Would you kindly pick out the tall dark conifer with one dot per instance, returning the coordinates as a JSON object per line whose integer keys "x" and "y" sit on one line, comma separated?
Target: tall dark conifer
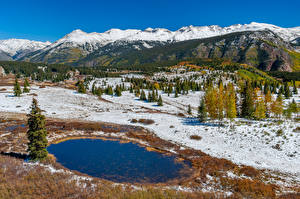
{"x": 17, "y": 88}
{"x": 37, "y": 134}
{"x": 248, "y": 101}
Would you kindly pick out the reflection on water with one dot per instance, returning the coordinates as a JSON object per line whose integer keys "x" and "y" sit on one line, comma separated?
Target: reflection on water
{"x": 119, "y": 162}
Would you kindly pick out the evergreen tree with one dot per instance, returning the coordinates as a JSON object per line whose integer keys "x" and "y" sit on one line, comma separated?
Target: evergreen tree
{"x": 37, "y": 134}
{"x": 295, "y": 90}
{"x": 94, "y": 88}
{"x": 109, "y": 90}
{"x": 118, "y": 91}
{"x": 17, "y": 88}
{"x": 81, "y": 87}
{"x": 98, "y": 91}
{"x": 292, "y": 108}
{"x": 247, "y": 102}
{"x": 143, "y": 95}
{"x": 176, "y": 93}
{"x": 287, "y": 92}
{"x": 189, "y": 111}
{"x": 160, "y": 102}
{"x": 202, "y": 114}
{"x": 26, "y": 85}
{"x": 131, "y": 89}
{"x": 149, "y": 97}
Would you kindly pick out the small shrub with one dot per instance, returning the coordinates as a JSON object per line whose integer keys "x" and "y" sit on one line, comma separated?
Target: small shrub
{"x": 146, "y": 121}
{"x": 134, "y": 121}
{"x": 266, "y": 133}
{"x": 279, "y": 132}
{"x": 195, "y": 137}
{"x": 180, "y": 114}
{"x": 249, "y": 171}
{"x": 297, "y": 129}
{"x": 277, "y": 147}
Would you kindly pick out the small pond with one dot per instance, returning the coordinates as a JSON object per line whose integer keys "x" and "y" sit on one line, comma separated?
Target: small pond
{"x": 118, "y": 162}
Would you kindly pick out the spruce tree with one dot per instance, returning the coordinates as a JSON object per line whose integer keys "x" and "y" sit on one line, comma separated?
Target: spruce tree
{"x": 81, "y": 87}
{"x": 94, "y": 88}
{"x": 287, "y": 92}
{"x": 176, "y": 93}
{"x": 118, "y": 91}
{"x": 143, "y": 95}
{"x": 247, "y": 102}
{"x": 17, "y": 88}
{"x": 202, "y": 114}
{"x": 189, "y": 111}
{"x": 37, "y": 134}
{"x": 109, "y": 90}
{"x": 295, "y": 90}
{"x": 160, "y": 102}
{"x": 26, "y": 85}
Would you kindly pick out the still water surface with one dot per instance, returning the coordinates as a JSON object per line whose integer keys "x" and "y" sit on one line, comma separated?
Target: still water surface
{"x": 115, "y": 161}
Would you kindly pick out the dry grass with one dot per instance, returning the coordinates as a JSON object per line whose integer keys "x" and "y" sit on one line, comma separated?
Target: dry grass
{"x": 202, "y": 163}
{"x": 18, "y": 181}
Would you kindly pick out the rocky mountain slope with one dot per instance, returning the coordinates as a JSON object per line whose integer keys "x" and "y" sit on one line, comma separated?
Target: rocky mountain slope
{"x": 263, "y": 49}
{"x": 110, "y": 47}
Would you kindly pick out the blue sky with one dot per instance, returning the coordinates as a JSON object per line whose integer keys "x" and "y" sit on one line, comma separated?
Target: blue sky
{"x": 50, "y": 20}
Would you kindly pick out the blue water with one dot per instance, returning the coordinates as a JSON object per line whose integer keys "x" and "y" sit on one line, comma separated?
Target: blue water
{"x": 115, "y": 161}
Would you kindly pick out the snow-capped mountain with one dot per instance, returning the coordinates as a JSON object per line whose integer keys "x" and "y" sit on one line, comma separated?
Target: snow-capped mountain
{"x": 81, "y": 47}
{"x": 17, "y": 48}
{"x": 182, "y": 34}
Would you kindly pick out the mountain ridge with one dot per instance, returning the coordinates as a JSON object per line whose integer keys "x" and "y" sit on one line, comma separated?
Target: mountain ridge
{"x": 78, "y": 45}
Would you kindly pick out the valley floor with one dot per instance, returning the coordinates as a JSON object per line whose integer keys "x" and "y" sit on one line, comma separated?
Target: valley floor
{"x": 255, "y": 143}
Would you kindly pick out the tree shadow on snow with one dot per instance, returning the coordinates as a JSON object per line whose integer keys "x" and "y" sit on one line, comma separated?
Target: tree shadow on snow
{"x": 194, "y": 121}
{"x": 15, "y": 155}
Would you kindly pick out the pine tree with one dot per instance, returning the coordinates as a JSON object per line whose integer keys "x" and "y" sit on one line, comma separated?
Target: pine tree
{"x": 17, "y": 88}
{"x": 26, "y": 85}
{"x": 109, "y": 91}
{"x": 94, "y": 88}
{"x": 143, "y": 95}
{"x": 202, "y": 114}
{"x": 160, "y": 101}
{"x": 287, "y": 92}
{"x": 295, "y": 90}
{"x": 176, "y": 93}
{"x": 189, "y": 111}
{"x": 131, "y": 89}
{"x": 149, "y": 97}
{"x": 247, "y": 102}
{"x": 118, "y": 91}
{"x": 81, "y": 87}
{"x": 37, "y": 134}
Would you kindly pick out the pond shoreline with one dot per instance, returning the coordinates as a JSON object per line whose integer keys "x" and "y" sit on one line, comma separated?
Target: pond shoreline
{"x": 206, "y": 170}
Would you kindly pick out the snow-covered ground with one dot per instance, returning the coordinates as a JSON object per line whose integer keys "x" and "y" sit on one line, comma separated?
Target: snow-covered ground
{"x": 246, "y": 142}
